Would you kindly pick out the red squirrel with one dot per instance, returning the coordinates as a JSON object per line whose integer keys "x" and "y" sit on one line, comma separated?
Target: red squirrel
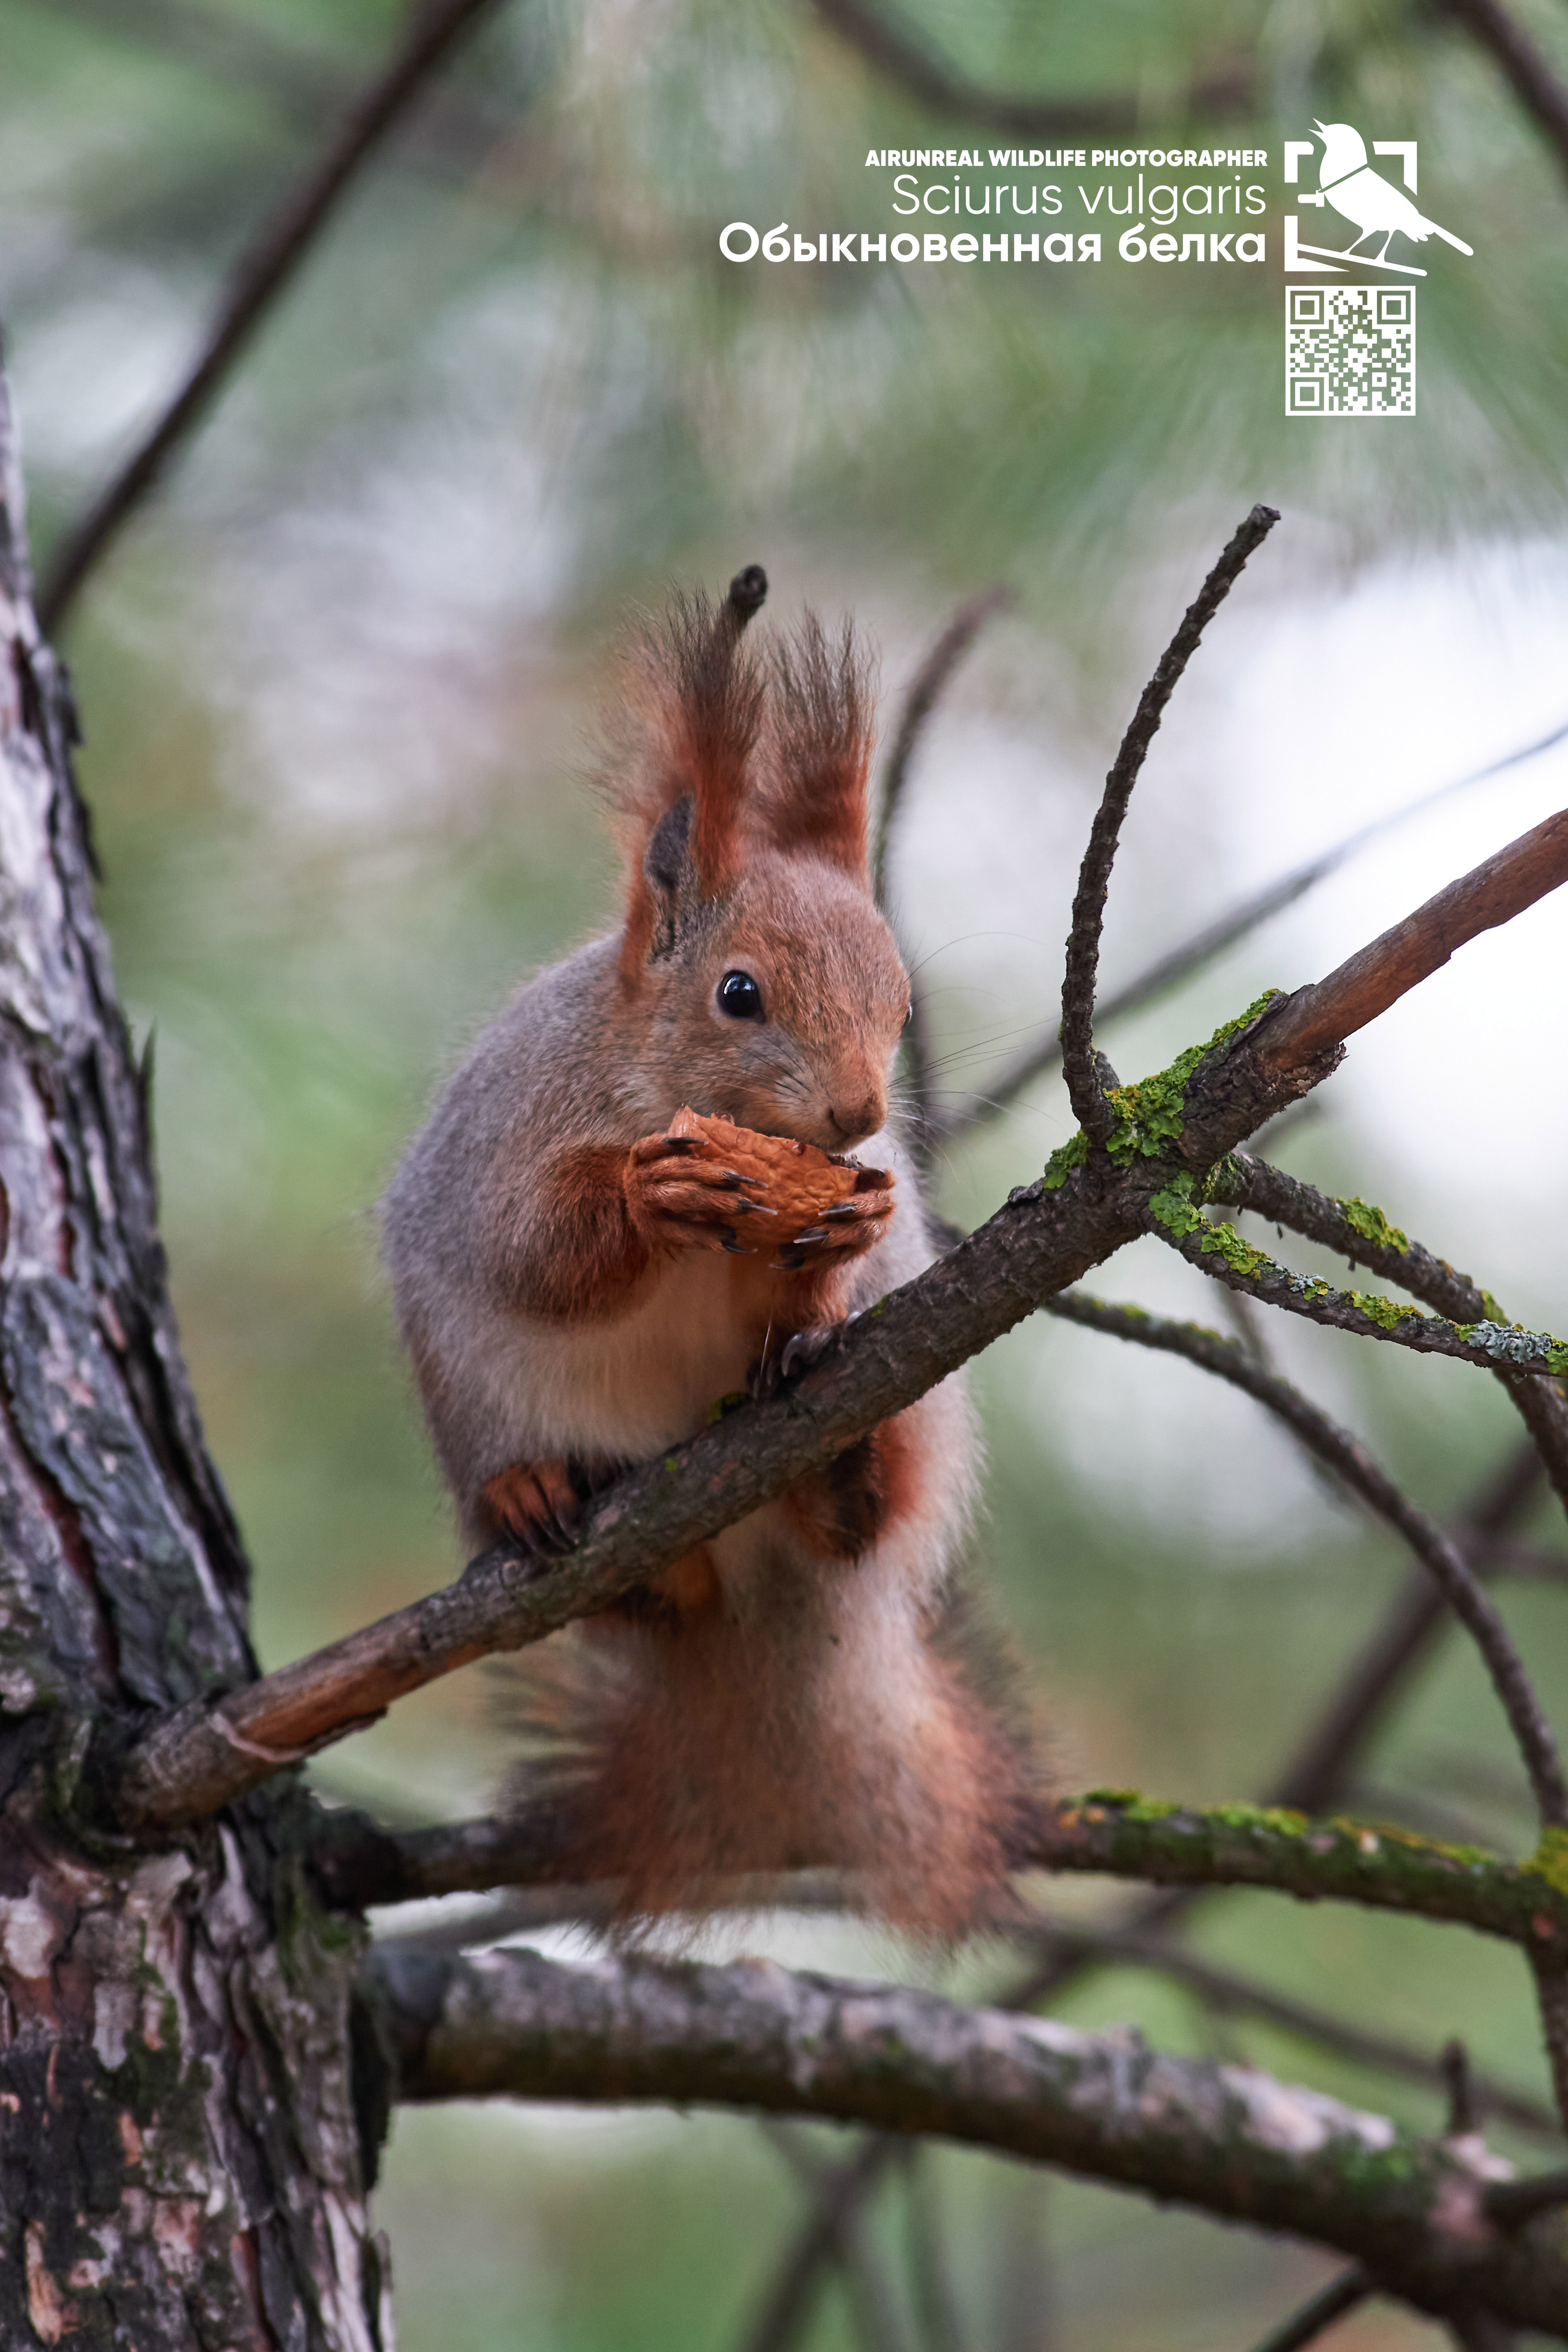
{"x": 582, "y": 1268}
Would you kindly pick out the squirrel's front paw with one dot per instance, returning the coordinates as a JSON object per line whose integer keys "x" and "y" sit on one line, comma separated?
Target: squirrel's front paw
{"x": 535, "y": 1504}
{"x": 855, "y": 1223}
{"x": 683, "y": 1192}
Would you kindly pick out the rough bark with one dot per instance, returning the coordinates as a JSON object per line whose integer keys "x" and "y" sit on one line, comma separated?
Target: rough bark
{"x": 180, "y": 2159}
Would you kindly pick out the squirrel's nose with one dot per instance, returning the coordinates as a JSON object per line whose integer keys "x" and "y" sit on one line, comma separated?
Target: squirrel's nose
{"x": 854, "y": 1120}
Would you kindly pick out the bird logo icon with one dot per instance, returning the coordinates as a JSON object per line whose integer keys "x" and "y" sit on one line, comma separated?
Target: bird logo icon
{"x": 1373, "y": 204}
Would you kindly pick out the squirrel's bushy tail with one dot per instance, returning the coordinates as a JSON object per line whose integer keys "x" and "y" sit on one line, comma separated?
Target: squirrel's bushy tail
{"x": 675, "y": 1758}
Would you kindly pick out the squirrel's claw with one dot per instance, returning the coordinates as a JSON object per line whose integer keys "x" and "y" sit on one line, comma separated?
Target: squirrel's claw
{"x": 535, "y": 1505}
{"x": 797, "y": 1354}
{"x": 809, "y": 1347}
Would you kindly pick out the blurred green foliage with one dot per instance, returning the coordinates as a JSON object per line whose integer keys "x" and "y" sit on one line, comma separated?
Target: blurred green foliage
{"x": 336, "y": 686}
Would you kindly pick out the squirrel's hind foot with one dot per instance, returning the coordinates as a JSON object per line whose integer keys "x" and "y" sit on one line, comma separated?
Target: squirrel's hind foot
{"x": 534, "y": 1504}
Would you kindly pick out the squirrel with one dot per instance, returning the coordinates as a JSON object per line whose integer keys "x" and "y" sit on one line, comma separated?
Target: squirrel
{"x": 584, "y": 1257}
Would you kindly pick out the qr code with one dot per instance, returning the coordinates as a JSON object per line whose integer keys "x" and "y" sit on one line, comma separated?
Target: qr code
{"x": 1350, "y": 351}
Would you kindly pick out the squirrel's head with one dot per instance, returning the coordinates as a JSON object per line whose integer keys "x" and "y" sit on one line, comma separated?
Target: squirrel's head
{"x": 770, "y": 985}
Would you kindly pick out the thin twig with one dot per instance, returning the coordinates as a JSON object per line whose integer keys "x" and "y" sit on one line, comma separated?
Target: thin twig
{"x": 1339, "y": 2297}
{"x": 1377, "y": 975}
{"x": 1535, "y": 85}
{"x": 1094, "y": 876}
{"x": 941, "y": 2322}
{"x": 924, "y": 689}
{"x": 900, "y": 58}
{"x": 872, "y": 2308}
{"x": 920, "y": 700}
{"x": 1226, "y": 1991}
{"x": 305, "y": 82}
{"x": 1181, "y": 962}
{"x": 1320, "y": 1775}
{"x": 1356, "y": 1230}
{"x": 1351, "y": 1461}
{"x": 263, "y": 270}
{"x": 787, "y": 2305}
{"x": 1458, "y": 2075}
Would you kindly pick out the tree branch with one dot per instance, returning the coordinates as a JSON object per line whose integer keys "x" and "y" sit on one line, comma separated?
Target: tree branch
{"x": 1225, "y": 2139}
{"x": 263, "y": 270}
{"x": 1094, "y": 874}
{"x": 1229, "y": 1993}
{"x": 1368, "y": 982}
{"x": 900, "y": 58}
{"x": 1339, "y": 2297}
{"x": 1534, "y": 84}
{"x": 1117, "y": 1832}
{"x": 1179, "y": 962}
{"x": 1110, "y": 1832}
{"x": 876, "y": 2317}
{"x": 924, "y": 689}
{"x": 1355, "y": 1230}
{"x": 526, "y": 1909}
{"x": 1350, "y": 1460}
{"x": 307, "y": 84}
{"x": 1319, "y": 1776}
{"x": 787, "y": 2303}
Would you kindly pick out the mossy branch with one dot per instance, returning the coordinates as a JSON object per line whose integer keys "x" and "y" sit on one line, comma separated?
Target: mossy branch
{"x": 1110, "y": 1832}
{"x": 1223, "y": 1254}
{"x": 1359, "y": 1231}
{"x": 1118, "y": 1833}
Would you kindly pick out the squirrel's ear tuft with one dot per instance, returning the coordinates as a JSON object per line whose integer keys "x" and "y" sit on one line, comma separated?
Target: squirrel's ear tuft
{"x": 687, "y": 731}
{"x": 823, "y": 702}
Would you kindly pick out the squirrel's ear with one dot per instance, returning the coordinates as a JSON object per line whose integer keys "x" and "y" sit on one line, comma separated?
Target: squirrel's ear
{"x": 697, "y": 703}
{"x": 669, "y": 875}
{"x": 816, "y": 797}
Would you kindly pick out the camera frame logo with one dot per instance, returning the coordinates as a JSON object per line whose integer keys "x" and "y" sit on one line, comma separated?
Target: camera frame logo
{"x": 1350, "y": 350}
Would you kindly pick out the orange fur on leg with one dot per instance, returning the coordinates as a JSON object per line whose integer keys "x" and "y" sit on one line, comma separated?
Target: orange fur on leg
{"x": 863, "y": 1492}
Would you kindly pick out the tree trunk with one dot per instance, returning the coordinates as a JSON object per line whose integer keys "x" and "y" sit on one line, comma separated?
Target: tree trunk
{"x": 180, "y": 2159}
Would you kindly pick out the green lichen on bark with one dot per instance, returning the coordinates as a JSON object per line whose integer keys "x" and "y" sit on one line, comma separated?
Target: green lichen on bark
{"x": 1064, "y": 1160}
{"x": 1363, "y": 1217}
{"x": 1174, "y": 1208}
{"x": 1151, "y": 1112}
{"x": 1386, "y": 1313}
{"x": 1224, "y": 1242}
{"x": 1377, "y": 1864}
{"x": 1550, "y": 1860}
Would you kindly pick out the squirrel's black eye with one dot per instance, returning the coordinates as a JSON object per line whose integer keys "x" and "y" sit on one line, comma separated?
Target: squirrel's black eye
{"x": 739, "y": 996}
{"x": 908, "y": 1012}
